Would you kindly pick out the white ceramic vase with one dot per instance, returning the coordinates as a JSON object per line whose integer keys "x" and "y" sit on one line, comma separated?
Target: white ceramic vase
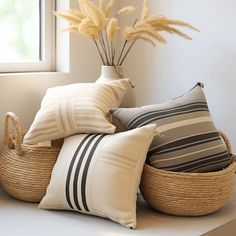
{"x": 109, "y": 73}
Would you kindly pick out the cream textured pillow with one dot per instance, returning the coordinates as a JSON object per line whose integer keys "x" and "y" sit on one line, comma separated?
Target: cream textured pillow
{"x": 76, "y": 108}
{"x": 99, "y": 174}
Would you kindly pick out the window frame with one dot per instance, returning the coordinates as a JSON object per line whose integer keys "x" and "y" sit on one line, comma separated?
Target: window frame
{"x": 48, "y": 41}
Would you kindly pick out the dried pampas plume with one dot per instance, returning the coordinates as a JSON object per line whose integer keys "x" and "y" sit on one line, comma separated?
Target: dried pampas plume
{"x": 150, "y": 33}
{"x": 102, "y": 5}
{"x": 69, "y": 16}
{"x": 99, "y": 24}
{"x": 77, "y": 13}
{"x": 126, "y": 10}
{"x": 73, "y": 29}
{"x": 112, "y": 29}
{"x": 145, "y": 10}
{"x": 108, "y": 9}
{"x": 94, "y": 13}
{"x": 162, "y": 20}
{"x": 147, "y": 40}
{"x": 89, "y": 29}
{"x": 82, "y": 7}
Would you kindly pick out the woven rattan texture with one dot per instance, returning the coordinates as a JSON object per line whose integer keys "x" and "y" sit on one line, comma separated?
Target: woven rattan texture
{"x": 25, "y": 170}
{"x": 188, "y": 194}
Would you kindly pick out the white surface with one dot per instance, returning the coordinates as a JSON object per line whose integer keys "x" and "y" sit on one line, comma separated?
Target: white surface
{"x": 19, "y": 218}
{"x": 227, "y": 229}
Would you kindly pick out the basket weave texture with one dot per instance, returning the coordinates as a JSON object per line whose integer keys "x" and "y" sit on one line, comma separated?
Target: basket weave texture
{"x": 188, "y": 194}
{"x": 25, "y": 170}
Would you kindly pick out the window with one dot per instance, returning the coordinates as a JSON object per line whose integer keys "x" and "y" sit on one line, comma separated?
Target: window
{"x": 27, "y": 35}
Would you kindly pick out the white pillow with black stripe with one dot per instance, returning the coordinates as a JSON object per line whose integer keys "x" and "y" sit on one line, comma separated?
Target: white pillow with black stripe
{"x": 99, "y": 174}
{"x": 76, "y": 108}
{"x": 187, "y": 139}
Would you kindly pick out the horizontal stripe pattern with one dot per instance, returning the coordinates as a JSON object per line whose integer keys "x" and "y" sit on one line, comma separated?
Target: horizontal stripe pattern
{"x": 76, "y": 108}
{"x": 183, "y": 123}
{"x": 189, "y": 154}
{"x": 201, "y": 162}
{"x": 151, "y": 116}
{"x": 186, "y": 139}
{"x": 185, "y": 143}
{"x": 118, "y": 160}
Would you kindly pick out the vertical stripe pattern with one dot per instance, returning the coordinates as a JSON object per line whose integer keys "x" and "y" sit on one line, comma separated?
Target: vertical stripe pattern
{"x": 99, "y": 174}
{"x": 75, "y": 189}
{"x": 85, "y": 172}
{"x": 70, "y": 170}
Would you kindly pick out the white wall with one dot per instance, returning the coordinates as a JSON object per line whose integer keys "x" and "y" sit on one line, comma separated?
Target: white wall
{"x": 167, "y": 71}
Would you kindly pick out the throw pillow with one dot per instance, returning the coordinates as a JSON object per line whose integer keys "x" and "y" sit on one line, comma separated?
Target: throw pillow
{"x": 187, "y": 139}
{"x": 76, "y": 108}
{"x": 99, "y": 174}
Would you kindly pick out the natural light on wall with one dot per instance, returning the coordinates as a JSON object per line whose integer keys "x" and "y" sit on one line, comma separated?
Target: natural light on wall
{"x": 27, "y": 35}
{"x": 19, "y": 30}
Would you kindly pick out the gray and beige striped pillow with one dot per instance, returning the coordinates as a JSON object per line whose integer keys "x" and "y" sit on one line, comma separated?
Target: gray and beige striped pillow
{"x": 187, "y": 139}
{"x": 99, "y": 174}
{"x": 76, "y": 108}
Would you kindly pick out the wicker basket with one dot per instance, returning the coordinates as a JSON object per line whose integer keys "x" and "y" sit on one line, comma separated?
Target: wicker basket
{"x": 25, "y": 170}
{"x": 188, "y": 194}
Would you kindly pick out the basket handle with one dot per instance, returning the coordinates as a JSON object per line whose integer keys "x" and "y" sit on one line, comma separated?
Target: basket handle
{"x": 229, "y": 147}
{"x": 226, "y": 140}
{"x": 18, "y": 136}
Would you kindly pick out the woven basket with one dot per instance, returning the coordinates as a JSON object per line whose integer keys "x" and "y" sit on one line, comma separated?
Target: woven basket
{"x": 25, "y": 170}
{"x": 188, "y": 194}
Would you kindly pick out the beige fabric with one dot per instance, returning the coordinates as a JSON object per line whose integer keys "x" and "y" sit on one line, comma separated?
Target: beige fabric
{"x": 101, "y": 173}
{"x": 76, "y": 108}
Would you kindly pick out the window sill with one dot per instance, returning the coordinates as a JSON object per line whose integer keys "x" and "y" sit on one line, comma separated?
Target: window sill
{"x": 32, "y": 75}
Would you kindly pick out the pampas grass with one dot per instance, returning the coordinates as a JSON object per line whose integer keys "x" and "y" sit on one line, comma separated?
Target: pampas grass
{"x": 108, "y": 9}
{"x": 112, "y": 29}
{"x": 89, "y": 29}
{"x": 73, "y": 29}
{"x": 126, "y": 10}
{"x": 147, "y": 32}
{"x": 102, "y": 27}
{"x": 69, "y": 16}
{"x": 147, "y": 40}
{"x": 145, "y": 10}
{"x": 102, "y": 5}
{"x": 94, "y": 13}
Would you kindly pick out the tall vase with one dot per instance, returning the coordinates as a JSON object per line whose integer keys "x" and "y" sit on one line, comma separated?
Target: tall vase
{"x": 110, "y": 73}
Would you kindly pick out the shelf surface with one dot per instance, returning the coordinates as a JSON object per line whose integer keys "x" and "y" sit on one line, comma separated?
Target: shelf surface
{"x": 20, "y": 218}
